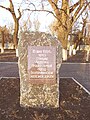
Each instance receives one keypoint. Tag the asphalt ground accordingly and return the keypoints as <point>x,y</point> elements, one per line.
<point>79,71</point>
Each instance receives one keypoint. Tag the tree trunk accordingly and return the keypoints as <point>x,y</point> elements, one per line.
<point>63,24</point>
<point>70,50</point>
<point>15,34</point>
<point>74,51</point>
<point>64,54</point>
<point>16,21</point>
<point>2,48</point>
<point>17,52</point>
<point>64,27</point>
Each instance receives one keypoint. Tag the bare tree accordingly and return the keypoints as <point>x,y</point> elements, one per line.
<point>66,17</point>
<point>16,20</point>
<point>36,24</point>
<point>4,37</point>
<point>10,27</point>
<point>81,35</point>
<point>26,24</point>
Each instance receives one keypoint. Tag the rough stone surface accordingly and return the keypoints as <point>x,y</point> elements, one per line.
<point>37,95</point>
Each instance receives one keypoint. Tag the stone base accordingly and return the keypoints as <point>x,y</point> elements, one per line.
<point>45,95</point>
<point>41,96</point>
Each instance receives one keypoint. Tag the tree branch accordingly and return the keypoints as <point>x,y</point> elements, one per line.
<point>55,1</point>
<point>47,12</point>
<point>72,8</point>
<point>80,7</point>
<point>19,14</point>
<point>77,12</point>
<point>55,8</point>
<point>80,14</point>
<point>11,6</point>
<point>57,11</point>
<point>40,11</point>
<point>4,8</point>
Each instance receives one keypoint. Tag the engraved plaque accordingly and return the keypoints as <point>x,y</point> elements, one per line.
<point>42,64</point>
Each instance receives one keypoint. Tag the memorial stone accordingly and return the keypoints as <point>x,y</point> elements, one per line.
<point>39,63</point>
